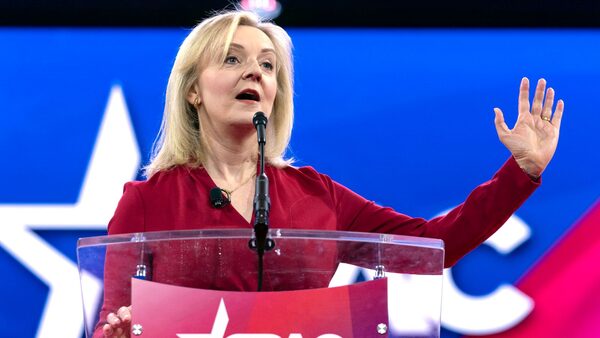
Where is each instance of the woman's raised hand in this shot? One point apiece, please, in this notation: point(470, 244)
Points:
point(534, 138)
point(119, 324)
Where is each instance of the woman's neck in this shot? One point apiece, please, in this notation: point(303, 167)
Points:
point(230, 157)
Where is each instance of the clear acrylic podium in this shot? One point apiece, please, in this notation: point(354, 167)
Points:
point(301, 260)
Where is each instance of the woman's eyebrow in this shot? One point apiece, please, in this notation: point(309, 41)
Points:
point(234, 45)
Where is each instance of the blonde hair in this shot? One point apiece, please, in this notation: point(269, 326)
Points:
point(179, 141)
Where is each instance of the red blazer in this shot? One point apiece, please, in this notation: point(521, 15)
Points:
point(302, 198)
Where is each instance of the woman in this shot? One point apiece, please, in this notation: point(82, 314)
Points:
point(231, 66)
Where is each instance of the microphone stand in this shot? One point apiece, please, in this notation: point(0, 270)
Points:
point(262, 202)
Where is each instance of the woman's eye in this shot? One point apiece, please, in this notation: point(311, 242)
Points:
point(268, 65)
point(231, 60)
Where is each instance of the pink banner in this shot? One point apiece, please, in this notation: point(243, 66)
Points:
point(356, 310)
point(565, 286)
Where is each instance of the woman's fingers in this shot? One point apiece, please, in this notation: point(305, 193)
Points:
point(124, 314)
point(501, 126)
point(113, 319)
point(538, 98)
point(115, 323)
point(107, 330)
point(547, 112)
point(558, 113)
point(524, 96)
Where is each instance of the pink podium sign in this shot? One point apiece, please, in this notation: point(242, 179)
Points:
point(161, 310)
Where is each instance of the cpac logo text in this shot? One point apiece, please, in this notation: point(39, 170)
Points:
point(220, 326)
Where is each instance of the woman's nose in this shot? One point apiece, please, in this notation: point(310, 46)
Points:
point(252, 72)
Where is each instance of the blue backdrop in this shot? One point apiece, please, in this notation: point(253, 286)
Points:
point(403, 117)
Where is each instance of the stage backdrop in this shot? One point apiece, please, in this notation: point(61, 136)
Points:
point(403, 117)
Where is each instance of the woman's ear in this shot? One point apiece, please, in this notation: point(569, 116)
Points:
point(193, 97)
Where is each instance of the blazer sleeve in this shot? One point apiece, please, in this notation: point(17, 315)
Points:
point(462, 229)
point(120, 260)
point(129, 215)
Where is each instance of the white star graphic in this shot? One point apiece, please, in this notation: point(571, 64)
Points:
point(115, 160)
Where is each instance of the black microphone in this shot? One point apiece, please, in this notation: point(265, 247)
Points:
point(262, 202)
point(219, 198)
point(260, 123)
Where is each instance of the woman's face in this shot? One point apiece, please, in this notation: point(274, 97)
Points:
point(244, 83)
